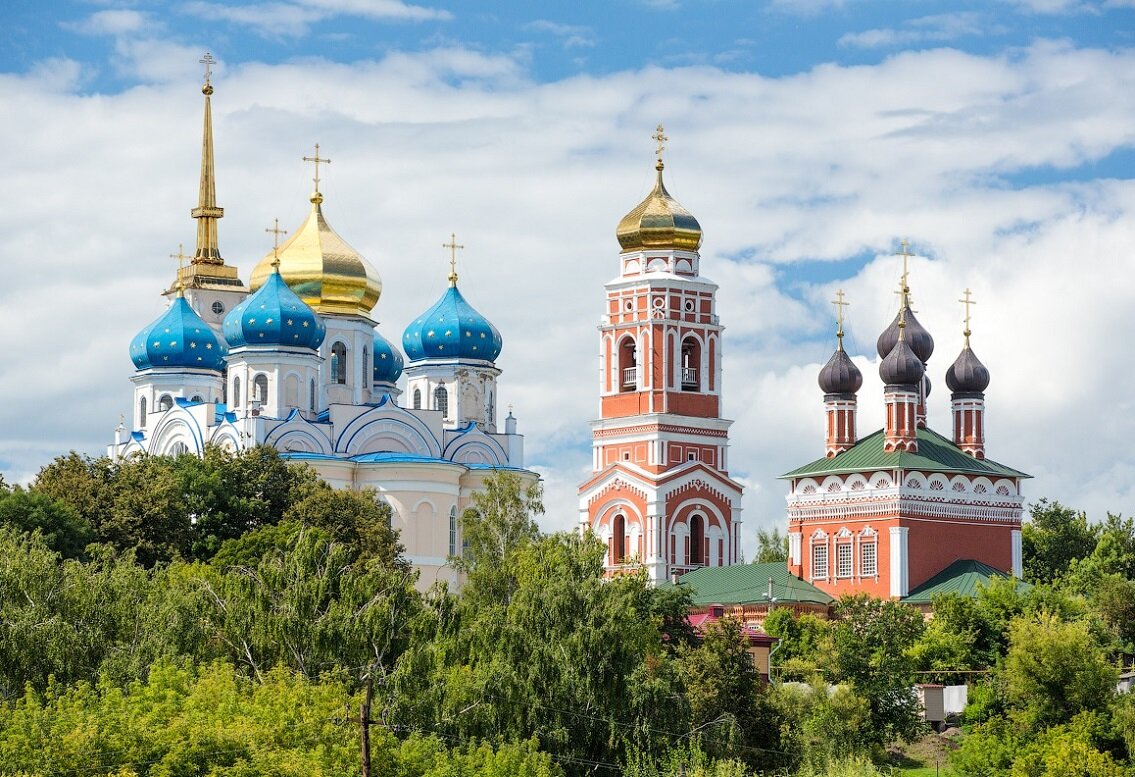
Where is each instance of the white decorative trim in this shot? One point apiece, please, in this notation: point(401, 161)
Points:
point(900, 561)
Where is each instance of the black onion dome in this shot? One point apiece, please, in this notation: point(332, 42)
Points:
point(840, 375)
point(901, 367)
point(916, 337)
point(926, 386)
point(967, 374)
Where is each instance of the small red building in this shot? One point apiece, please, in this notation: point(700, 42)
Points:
point(885, 513)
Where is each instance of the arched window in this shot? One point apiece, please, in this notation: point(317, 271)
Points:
point(142, 412)
point(441, 401)
point(260, 387)
point(339, 364)
point(179, 449)
point(165, 403)
point(619, 539)
point(697, 539)
point(311, 395)
point(236, 392)
point(417, 399)
point(453, 531)
point(691, 360)
point(196, 398)
point(628, 364)
point(366, 368)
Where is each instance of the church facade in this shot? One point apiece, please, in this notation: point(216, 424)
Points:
point(660, 495)
point(892, 512)
point(295, 361)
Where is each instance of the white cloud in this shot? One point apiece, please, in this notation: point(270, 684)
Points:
point(294, 18)
point(1051, 7)
point(823, 165)
point(936, 28)
point(571, 35)
point(115, 21)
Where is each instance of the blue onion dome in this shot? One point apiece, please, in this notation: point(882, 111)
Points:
point(916, 337)
point(180, 339)
point(451, 329)
point(388, 360)
point(967, 375)
point(902, 367)
point(274, 316)
point(840, 375)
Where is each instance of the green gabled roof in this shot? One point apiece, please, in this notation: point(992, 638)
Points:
point(748, 584)
point(935, 454)
point(963, 577)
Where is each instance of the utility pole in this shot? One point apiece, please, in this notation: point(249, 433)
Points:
point(364, 725)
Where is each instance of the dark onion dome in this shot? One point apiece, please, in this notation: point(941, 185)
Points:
point(451, 329)
point(902, 367)
point(967, 375)
point(916, 337)
point(274, 316)
point(840, 375)
point(926, 386)
point(388, 360)
point(179, 339)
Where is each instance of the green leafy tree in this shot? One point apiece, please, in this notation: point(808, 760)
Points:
point(868, 648)
point(63, 529)
point(771, 546)
point(1052, 538)
point(1055, 670)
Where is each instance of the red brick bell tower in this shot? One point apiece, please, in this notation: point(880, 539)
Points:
point(660, 495)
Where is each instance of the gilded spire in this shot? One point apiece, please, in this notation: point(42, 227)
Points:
point(316, 197)
point(452, 246)
point(207, 211)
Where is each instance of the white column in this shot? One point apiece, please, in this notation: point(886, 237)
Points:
point(795, 540)
point(900, 572)
point(1018, 566)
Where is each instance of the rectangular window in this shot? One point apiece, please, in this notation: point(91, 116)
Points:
point(868, 559)
point(820, 561)
point(843, 559)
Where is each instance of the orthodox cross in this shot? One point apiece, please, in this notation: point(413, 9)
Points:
point(180, 257)
point(660, 138)
point(839, 306)
point(276, 232)
point(904, 288)
point(208, 62)
point(316, 159)
point(967, 301)
point(452, 246)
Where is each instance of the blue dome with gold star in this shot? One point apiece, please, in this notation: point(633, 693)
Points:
point(180, 339)
point(451, 329)
point(274, 316)
point(388, 360)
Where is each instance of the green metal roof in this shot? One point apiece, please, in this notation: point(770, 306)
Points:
point(935, 454)
point(964, 577)
point(748, 584)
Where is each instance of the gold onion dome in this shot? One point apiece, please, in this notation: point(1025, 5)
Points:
point(659, 222)
point(325, 272)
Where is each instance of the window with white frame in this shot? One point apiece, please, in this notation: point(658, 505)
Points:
point(820, 560)
point(869, 558)
point(843, 554)
point(453, 531)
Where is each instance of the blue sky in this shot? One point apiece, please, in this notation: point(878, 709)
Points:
point(808, 138)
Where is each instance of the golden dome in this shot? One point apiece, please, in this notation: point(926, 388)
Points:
point(659, 221)
point(322, 269)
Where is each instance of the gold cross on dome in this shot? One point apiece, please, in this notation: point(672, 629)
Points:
point(660, 138)
point(840, 304)
point(180, 256)
point(316, 159)
point(904, 287)
point(276, 232)
point(967, 301)
point(452, 246)
point(208, 62)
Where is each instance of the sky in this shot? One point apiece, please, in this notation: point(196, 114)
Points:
point(809, 137)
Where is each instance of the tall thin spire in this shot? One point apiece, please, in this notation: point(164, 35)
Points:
point(207, 212)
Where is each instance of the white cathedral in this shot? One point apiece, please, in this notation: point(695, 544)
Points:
point(296, 362)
